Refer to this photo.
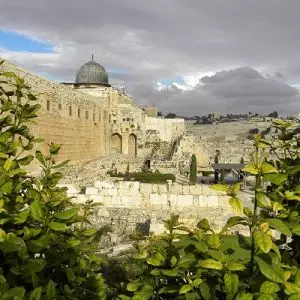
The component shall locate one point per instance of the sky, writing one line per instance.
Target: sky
(187, 57)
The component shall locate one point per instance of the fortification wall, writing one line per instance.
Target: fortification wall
(67, 117)
(168, 129)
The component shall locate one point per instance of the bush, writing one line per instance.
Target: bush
(254, 131)
(46, 249)
(201, 263)
(146, 177)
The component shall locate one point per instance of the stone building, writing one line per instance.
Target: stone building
(91, 119)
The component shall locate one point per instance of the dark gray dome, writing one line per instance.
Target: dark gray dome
(92, 73)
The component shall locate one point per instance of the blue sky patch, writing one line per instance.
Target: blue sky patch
(169, 81)
(14, 41)
(117, 70)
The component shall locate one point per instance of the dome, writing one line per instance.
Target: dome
(92, 73)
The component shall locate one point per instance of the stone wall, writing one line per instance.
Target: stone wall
(167, 129)
(231, 139)
(128, 205)
(67, 117)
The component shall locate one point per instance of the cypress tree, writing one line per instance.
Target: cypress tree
(193, 170)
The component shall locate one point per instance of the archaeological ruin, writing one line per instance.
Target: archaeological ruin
(102, 131)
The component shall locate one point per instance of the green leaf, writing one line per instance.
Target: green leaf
(296, 229)
(156, 272)
(251, 168)
(265, 297)
(56, 226)
(263, 241)
(233, 266)
(2, 235)
(185, 288)
(14, 244)
(217, 255)
(26, 160)
(133, 286)
(9, 74)
(197, 282)
(292, 288)
(211, 264)
(16, 293)
(89, 232)
(203, 224)
(50, 290)
(8, 164)
(205, 291)
(40, 157)
(291, 196)
(267, 168)
(220, 187)
(169, 289)
(269, 287)
(142, 254)
(31, 232)
(7, 187)
(34, 266)
(66, 215)
(263, 200)
(294, 297)
(273, 274)
(37, 211)
(297, 278)
(237, 204)
(62, 164)
(156, 260)
(276, 178)
(214, 241)
(278, 225)
(232, 221)
(231, 285)
(173, 261)
(72, 242)
(54, 149)
(171, 273)
(244, 296)
(39, 244)
(36, 294)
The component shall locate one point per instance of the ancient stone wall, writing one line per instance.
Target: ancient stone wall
(130, 206)
(167, 129)
(67, 117)
(231, 139)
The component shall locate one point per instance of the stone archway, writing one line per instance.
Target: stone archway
(116, 143)
(132, 145)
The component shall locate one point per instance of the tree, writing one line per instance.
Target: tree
(274, 114)
(47, 250)
(193, 170)
(170, 116)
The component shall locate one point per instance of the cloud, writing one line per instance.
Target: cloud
(233, 91)
(152, 42)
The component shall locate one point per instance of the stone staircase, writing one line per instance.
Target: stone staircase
(181, 179)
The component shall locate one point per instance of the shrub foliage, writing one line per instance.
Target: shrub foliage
(46, 249)
(202, 263)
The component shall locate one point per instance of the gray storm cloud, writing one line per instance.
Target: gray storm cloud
(152, 41)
